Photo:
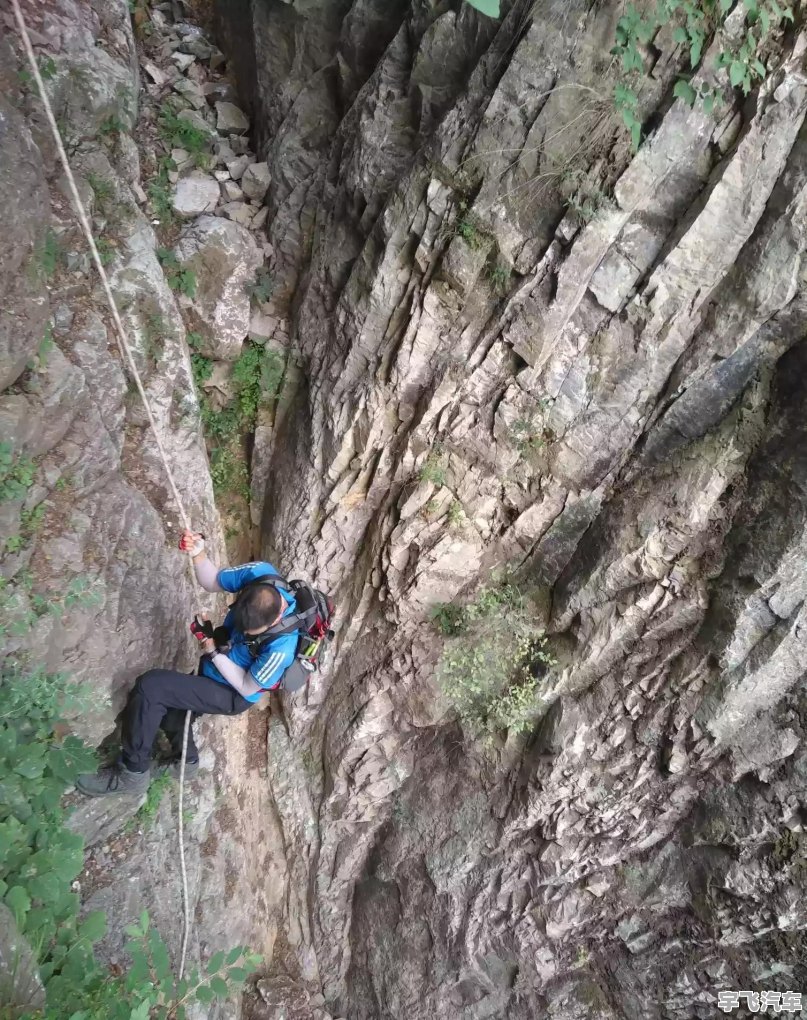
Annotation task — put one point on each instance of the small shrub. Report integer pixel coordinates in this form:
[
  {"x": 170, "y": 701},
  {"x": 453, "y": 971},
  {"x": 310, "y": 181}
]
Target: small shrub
[
  {"x": 106, "y": 250},
  {"x": 179, "y": 278},
  {"x": 16, "y": 474},
  {"x": 434, "y": 468},
  {"x": 113, "y": 125},
  {"x": 102, "y": 189},
  {"x": 195, "y": 340},
  {"x": 178, "y": 133},
  {"x": 456, "y": 514},
  {"x": 470, "y": 233},
  {"x": 202, "y": 369},
  {"x": 260, "y": 290},
  {"x": 159, "y": 192},
  {"x": 149, "y": 808},
  {"x": 491, "y": 668},
  {"x": 499, "y": 277}
]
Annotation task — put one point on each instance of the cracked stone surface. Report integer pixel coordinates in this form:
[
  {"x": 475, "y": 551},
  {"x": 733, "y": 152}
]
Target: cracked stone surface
[{"x": 644, "y": 845}]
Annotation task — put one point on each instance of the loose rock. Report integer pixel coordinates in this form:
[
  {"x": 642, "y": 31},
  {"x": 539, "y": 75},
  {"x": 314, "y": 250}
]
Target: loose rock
[
  {"x": 230, "y": 119},
  {"x": 255, "y": 181},
  {"x": 195, "y": 194}
]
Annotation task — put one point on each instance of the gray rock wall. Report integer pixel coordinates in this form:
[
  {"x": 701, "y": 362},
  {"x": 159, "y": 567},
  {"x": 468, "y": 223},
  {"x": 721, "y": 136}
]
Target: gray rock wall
[
  {"x": 464, "y": 240},
  {"x": 91, "y": 530}
]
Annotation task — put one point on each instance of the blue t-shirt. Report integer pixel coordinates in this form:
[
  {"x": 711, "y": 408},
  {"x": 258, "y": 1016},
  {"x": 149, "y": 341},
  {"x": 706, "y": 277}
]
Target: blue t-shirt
[{"x": 267, "y": 668}]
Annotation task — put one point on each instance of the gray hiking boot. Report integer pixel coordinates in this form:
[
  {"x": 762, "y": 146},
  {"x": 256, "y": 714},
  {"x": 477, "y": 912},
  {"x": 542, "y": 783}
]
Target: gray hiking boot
[
  {"x": 170, "y": 767},
  {"x": 114, "y": 780}
]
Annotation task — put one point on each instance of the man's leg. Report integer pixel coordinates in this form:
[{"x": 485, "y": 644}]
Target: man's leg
[
  {"x": 154, "y": 694},
  {"x": 173, "y": 726},
  {"x": 163, "y": 691}
]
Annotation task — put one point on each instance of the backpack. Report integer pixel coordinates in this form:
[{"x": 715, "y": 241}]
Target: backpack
[{"x": 315, "y": 612}]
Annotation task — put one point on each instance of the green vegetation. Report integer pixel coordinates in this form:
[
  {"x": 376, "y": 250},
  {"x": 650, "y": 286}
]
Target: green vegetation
[
  {"x": 159, "y": 192},
  {"x": 499, "y": 276},
  {"x": 491, "y": 668},
  {"x": 260, "y": 290},
  {"x": 151, "y": 805},
  {"x": 46, "y": 345},
  {"x": 257, "y": 376},
  {"x": 16, "y": 474},
  {"x": 30, "y": 522},
  {"x": 49, "y": 254},
  {"x": 470, "y": 233},
  {"x": 202, "y": 369},
  {"x": 434, "y": 468},
  {"x": 178, "y": 133},
  {"x": 106, "y": 250},
  {"x": 456, "y": 514},
  {"x": 488, "y": 7},
  {"x": 179, "y": 279},
  {"x": 527, "y": 436},
  {"x": 113, "y": 125},
  {"x": 47, "y": 69},
  {"x": 693, "y": 22}
]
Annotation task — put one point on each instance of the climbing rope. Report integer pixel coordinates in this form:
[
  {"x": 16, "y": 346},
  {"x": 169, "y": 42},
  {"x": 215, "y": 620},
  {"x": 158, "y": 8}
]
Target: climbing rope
[{"x": 126, "y": 353}]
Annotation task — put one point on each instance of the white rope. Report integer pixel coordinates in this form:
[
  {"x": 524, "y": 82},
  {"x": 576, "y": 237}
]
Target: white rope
[{"x": 126, "y": 353}]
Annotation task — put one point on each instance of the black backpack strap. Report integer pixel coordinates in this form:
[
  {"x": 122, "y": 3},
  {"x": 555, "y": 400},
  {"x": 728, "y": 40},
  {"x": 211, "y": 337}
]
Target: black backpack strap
[{"x": 299, "y": 621}]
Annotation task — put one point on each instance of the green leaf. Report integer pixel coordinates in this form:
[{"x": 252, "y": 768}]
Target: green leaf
[
  {"x": 636, "y": 135},
  {"x": 695, "y": 51},
  {"x": 680, "y": 35},
  {"x": 759, "y": 67},
  {"x": 93, "y": 927},
  {"x": 219, "y": 986},
  {"x": 237, "y": 975},
  {"x": 726, "y": 5},
  {"x": 235, "y": 954},
  {"x": 736, "y": 72},
  {"x": 683, "y": 90},
  {"x": 215, "y": 962},
  {"x": 764, "y": 20},
  {"x": 18, "y": 901},
  {"x": 488, "y": 7},
  {"x": 204, "y": 994},
  {"x": 708, "y": 103}
]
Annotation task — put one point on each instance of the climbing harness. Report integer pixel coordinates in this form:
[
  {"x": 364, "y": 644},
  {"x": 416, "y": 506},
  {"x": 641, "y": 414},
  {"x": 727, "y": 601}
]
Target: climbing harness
[{"x": 126, "y": 353}]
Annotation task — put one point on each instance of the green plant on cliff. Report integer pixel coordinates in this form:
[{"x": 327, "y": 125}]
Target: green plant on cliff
[
  {"x": 492, "y": 666},
  {"x": 692, "y": 23},
  {"x": 16, "y": 474}
]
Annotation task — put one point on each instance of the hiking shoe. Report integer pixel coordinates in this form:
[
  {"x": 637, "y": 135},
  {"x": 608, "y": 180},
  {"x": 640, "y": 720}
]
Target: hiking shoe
[
  {"x": 114, "y": 780},
  {"x": 171, "y": 766}
]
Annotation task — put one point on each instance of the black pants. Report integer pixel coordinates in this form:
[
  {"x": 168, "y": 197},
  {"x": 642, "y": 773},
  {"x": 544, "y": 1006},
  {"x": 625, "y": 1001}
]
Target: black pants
[{"x": 159, "y": 700}]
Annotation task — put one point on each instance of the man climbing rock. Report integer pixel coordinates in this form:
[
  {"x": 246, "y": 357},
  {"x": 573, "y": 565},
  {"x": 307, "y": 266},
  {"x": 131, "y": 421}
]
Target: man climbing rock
[{"x": 228, "y": 682}]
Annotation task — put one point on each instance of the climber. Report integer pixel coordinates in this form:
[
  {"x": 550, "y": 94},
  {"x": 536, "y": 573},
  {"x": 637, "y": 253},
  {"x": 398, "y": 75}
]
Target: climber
[{"x": 227, "y": 683}]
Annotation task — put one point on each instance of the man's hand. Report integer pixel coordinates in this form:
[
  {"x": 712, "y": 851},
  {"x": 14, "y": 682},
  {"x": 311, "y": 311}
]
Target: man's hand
[{"x": 192, "y": 543}]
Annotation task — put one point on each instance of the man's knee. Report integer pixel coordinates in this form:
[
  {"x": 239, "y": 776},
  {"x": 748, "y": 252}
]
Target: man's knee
[{"x": 148, "y": 682}]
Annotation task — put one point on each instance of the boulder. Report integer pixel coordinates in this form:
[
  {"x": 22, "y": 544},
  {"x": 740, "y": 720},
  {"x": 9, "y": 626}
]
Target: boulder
[
  {"x": 255, "y": 181},
  {"x": 224, "y": 257},
  {"x": 230, "y": 119},
  {"x": 198, "y": 193},
  {"x": 192, "y": 92},
  {"x": 231, "y": 192},
  {"x": 183, "y": 60},
  {"x": 237, "y": 166},
  {"x": 239, "y": 212}
]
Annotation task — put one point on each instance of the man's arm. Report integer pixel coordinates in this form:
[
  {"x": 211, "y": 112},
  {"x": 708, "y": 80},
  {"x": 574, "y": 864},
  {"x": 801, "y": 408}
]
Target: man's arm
[
  {"x": 206, "y": 571},
  {"x": 235, "y": 676}
]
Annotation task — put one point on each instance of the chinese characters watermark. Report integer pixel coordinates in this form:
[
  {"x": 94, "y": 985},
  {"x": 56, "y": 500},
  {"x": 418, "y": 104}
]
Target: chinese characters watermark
[{"x": 760, "y": 1002}]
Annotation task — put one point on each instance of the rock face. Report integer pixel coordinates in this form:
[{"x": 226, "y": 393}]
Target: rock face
[
  {"x": 91, "y": 584},
  {"x": 223, "y": 257},
  {"x": 471, "y": 253}
]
